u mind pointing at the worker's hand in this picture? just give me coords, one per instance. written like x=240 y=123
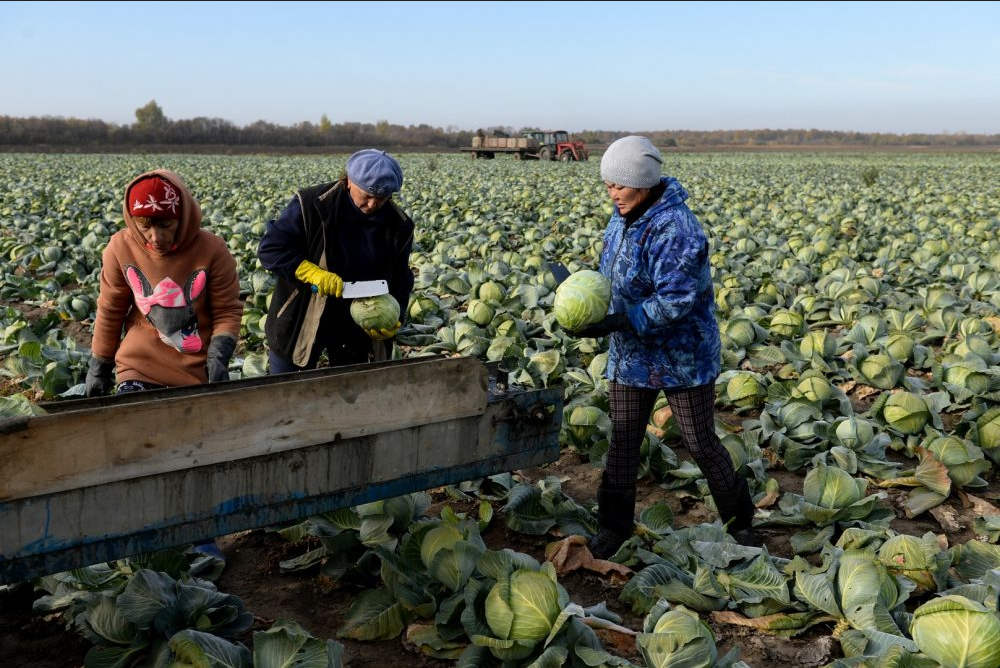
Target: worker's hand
x=326 y=282
x=383 y=334
x=100 y=377
x=220 y=351
x=616 y=322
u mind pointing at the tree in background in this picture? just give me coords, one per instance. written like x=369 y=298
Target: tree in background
x=150 y=117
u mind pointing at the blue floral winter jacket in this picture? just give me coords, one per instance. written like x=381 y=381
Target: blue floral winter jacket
x=660 y=277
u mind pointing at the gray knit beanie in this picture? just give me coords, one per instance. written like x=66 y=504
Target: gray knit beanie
x=632 y=162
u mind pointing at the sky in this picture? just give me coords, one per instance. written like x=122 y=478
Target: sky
x=895 y=67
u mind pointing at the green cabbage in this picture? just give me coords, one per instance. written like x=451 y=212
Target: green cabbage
x=679 y=638
x=956 y=631
x=442 y=537
x=906 y=412
x=582 y=299
x=380 y=312
x=524 y=606
x=480 y=312
x=855 y=432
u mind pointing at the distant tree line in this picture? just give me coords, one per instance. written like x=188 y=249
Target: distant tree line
x=802 y=138
x=152 y=127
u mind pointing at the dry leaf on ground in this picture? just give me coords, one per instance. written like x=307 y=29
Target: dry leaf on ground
x=571 y=553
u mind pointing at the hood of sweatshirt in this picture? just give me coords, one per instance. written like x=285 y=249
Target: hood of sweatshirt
x=189 y=221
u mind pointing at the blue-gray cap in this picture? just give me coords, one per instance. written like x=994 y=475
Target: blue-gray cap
x=376 y=172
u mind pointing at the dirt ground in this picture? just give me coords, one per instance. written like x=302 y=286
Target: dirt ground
x=252 y=573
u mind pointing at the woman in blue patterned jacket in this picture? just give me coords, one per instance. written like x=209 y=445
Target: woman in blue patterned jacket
x=664 y=337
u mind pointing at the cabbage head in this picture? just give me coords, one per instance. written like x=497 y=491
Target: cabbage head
x=818 y=342
x=964 y=460
x=480 y=312
x=830 y=494
x=831 y=488
x=492 y=293
x=524 y=606
x=677 y=638
x=449 y=552
x=582 y=299
x=957 y=631
x=988 y=429
x=900 y=346
x=919 y=559
x=422 y=307
x=785 y=324
x=881 y=371
x=584 y=421
x=442 y=537
x=969 y=373
x=974 y=344
x=814 y=386
x=906 y=412
x=855 y=433
x=746 y=388
x=743 y=331
x=380 y=312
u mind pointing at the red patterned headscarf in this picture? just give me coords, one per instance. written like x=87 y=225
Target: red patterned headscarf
x=154 y=198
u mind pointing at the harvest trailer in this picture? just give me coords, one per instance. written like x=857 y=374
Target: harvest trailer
x=100 y=479
x=522 y=148
x=532 y=145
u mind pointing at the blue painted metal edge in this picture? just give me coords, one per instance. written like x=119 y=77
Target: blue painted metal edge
x=254 y=516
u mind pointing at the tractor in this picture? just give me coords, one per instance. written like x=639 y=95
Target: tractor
x=556 y=145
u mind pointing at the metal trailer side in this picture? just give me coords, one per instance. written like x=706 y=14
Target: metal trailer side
x=101 y=479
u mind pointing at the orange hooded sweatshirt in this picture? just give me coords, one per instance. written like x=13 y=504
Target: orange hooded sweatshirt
x=170 y=304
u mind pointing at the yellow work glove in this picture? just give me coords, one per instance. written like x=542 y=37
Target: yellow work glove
x=383 y=334
x=326 y=282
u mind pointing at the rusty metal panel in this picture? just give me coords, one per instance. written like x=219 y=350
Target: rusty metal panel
x=89 y=524
x=103 y=442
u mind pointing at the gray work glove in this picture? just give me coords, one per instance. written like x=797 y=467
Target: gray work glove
x=100 y=377
x=220 y=350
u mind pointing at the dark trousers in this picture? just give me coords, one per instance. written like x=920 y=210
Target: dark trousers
x=694 y=411
x=338 y=355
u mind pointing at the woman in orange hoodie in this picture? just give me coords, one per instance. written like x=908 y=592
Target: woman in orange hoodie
x=171 y=287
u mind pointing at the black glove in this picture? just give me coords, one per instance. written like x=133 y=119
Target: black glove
x=616 y=322
x=220 y=350
x=100 y=377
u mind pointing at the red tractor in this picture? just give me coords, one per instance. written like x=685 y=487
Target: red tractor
x=556 y=145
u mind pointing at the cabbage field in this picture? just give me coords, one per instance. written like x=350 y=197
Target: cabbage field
x=859 y=300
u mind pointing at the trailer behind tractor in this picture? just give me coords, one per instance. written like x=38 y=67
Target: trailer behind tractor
x=531 y=145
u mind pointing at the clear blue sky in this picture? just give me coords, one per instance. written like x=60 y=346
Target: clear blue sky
x=870 y=67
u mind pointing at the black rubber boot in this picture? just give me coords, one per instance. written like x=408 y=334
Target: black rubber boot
x=736 y=510
x=615 y=517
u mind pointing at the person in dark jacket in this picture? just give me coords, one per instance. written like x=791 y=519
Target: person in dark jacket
x=347 y=230
x=664 y=337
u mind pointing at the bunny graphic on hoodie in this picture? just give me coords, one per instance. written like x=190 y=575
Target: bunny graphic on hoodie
x=170 y=308
x=160 y=305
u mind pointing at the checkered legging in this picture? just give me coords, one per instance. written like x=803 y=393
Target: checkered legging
x=693 y=409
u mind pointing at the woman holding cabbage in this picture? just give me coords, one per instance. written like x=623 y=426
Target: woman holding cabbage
x=349 y=229
x=664 y=337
